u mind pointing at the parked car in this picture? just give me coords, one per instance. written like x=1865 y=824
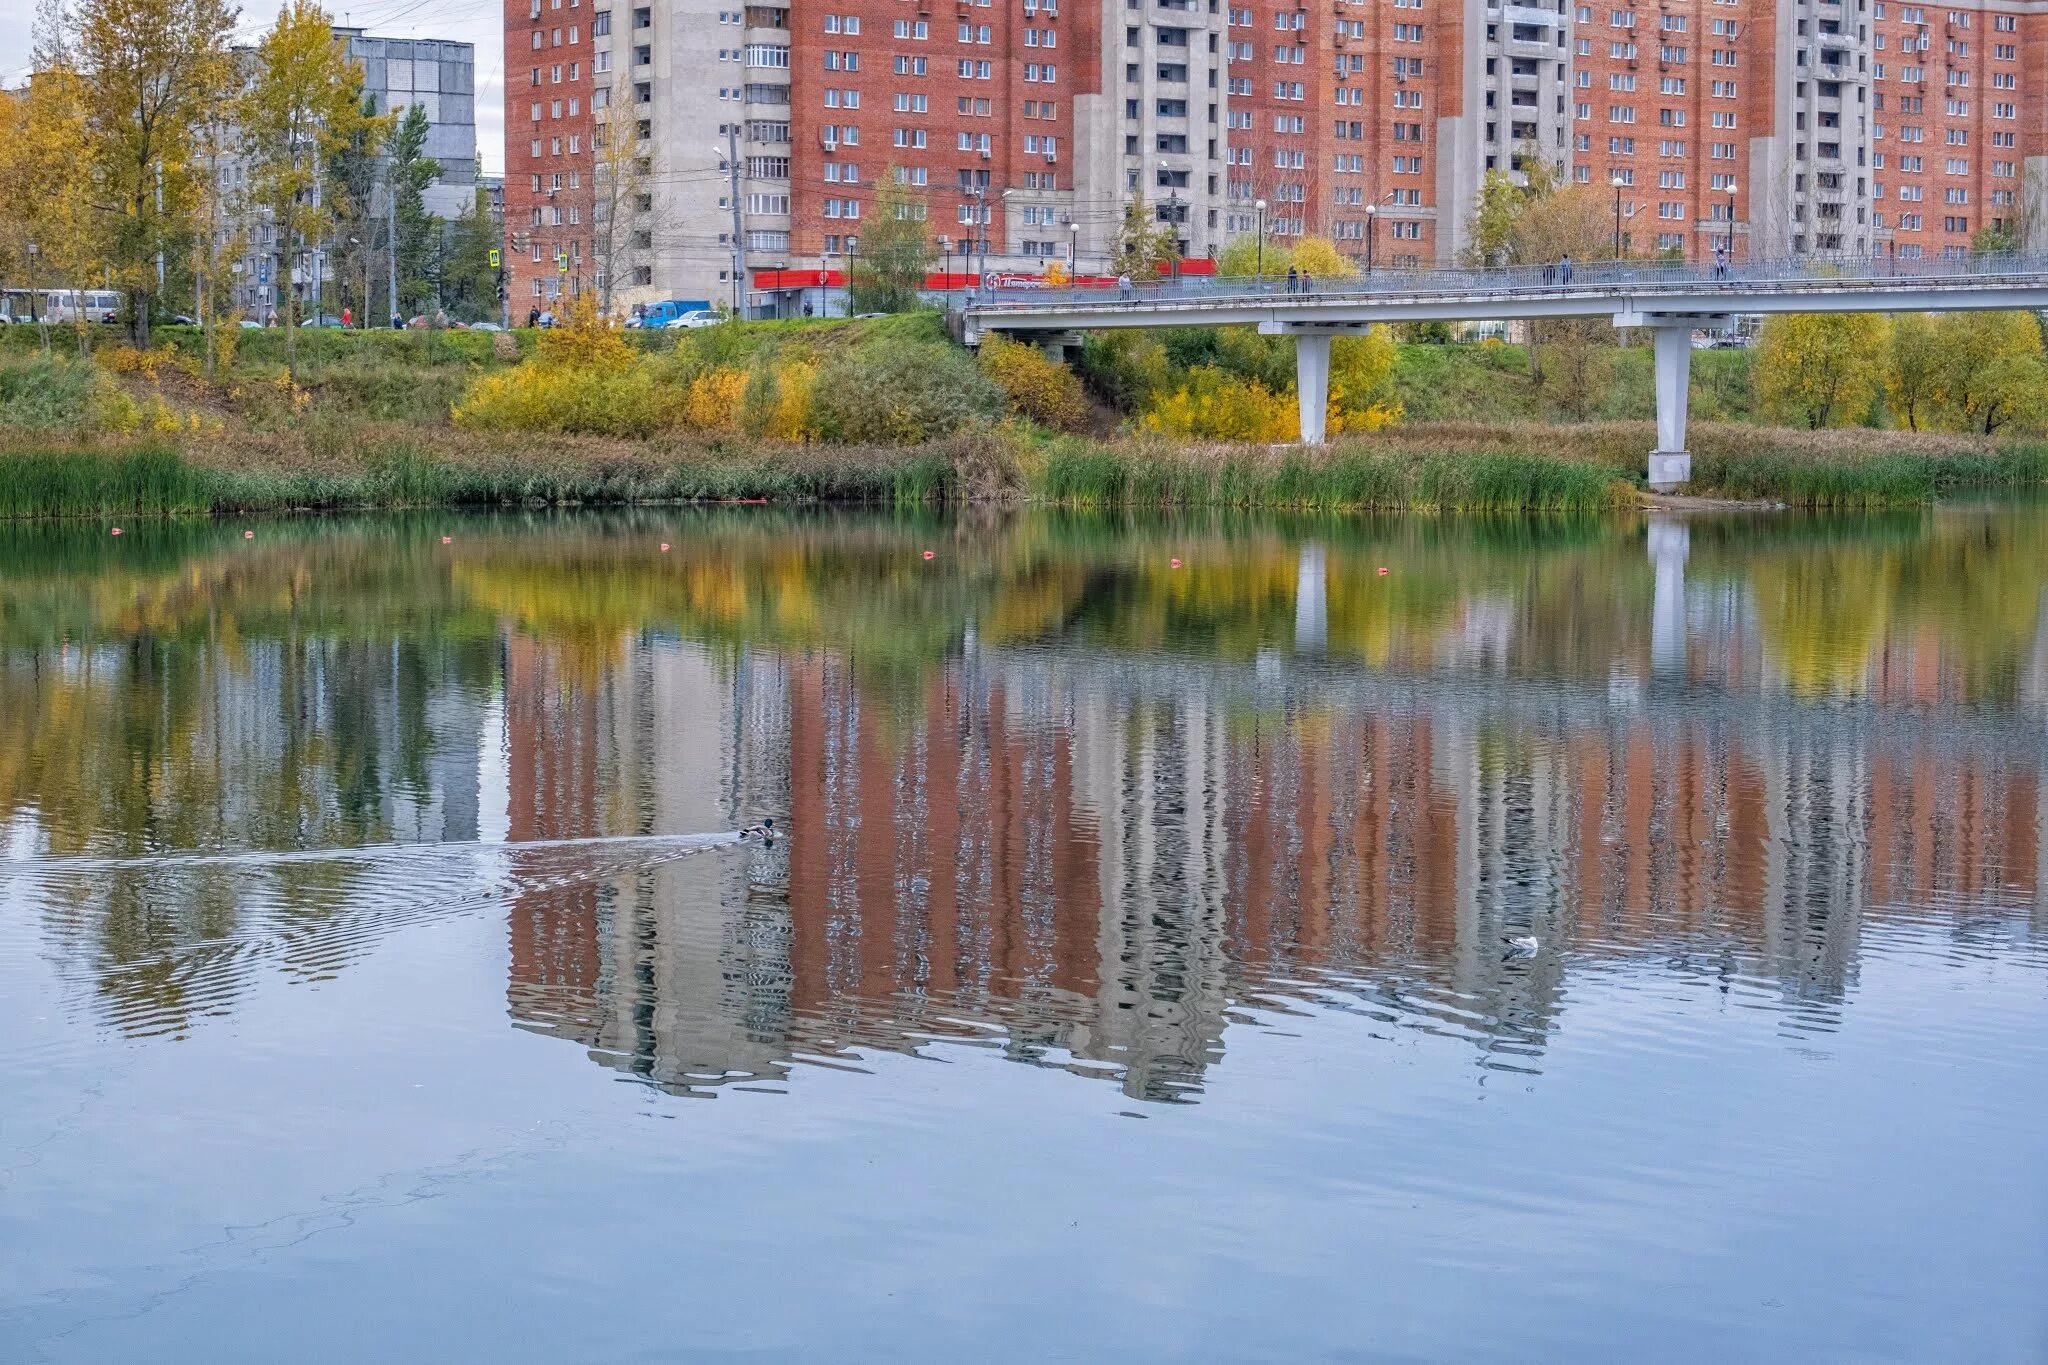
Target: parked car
x=664 y=312
x=483 y=327
x=696 y=317
x=322 y=320
x=250 y=324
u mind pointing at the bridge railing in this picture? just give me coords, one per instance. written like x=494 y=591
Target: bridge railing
x=1556 y=278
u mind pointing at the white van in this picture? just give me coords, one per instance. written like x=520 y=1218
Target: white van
x=100 y=305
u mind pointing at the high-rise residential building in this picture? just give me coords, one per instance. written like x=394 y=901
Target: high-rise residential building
x=1026 y=127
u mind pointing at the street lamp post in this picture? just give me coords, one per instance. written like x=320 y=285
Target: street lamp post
x=1372 y=219
x=852 y=266
x=1260 y=205
x=946 y=264
x=1172 y=215
x=1731 y=222
x=1616 y=183
x=1073 y=250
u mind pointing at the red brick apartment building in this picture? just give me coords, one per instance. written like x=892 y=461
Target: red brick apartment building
x=760 y=132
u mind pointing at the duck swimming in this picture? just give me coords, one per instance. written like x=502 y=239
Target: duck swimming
x=765 y=831
x=1522 y=944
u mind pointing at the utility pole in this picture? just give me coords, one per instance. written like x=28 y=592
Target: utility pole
x=391 y=229
x=739 y=250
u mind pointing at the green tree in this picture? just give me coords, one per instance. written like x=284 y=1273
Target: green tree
x=1820 y=369
x=409 y=171
x=1915 y=372
x=152 y=71
x=1495 y=213
x=1992 y=373
x=1241 y=258
x=302 y=105
x=887 y=274
x=469 y=282
x=1143 y=243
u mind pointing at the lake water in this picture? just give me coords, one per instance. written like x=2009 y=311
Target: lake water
x=379 y=978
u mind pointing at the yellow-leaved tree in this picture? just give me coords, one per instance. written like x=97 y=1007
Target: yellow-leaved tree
x=1915 y=372
x=47 y=233
x=1991 y=370
x=301 y=108
x=1362 y=383
x=1319 y=259
x=1820 y=369
x=152 y=71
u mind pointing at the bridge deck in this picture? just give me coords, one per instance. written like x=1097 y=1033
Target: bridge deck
x=1625 y=290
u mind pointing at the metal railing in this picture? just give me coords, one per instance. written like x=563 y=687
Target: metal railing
x=1551 y=280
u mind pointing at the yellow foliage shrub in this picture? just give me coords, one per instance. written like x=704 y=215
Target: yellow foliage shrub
x=1035 y=385
x=791 y=418
x=713 y=400
x=586 y=342
x=1219 y=406
x=532 y=397
x=1362 y=383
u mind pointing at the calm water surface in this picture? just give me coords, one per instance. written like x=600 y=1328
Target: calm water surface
x=379 y=978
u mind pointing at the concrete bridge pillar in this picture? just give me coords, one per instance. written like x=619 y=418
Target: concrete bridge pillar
x=1312 y=383
x=1670 y=462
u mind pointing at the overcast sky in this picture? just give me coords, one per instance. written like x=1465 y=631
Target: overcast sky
x=471 y=21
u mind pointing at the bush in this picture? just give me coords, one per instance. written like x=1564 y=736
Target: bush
x=53 y=393
x=900 y=393
x=1216 y=404
x=1037 y=386
x=1125 y=369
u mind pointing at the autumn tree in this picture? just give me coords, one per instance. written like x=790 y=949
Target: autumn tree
x=302 y=105
x=1143 y=244
x=1318 y=258
x=1915 y=370
x=152 y=71
x=618 y=182
x=1991 y=371
x=354 y=171
x=887 y=274
x=1820 y=369
x=47 y=227
x=1242 y=257
x=218 y=242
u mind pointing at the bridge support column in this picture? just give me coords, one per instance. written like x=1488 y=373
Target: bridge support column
x=1670 y=462
x=1312 y=383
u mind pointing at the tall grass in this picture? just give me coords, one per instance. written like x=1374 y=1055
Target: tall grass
x=339 y=465
x=1081 y=474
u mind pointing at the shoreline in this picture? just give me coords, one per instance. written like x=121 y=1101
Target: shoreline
x=1412 y=469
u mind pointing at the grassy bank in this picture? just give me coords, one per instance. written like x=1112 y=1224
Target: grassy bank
x=886 y=411
x=1464 y=468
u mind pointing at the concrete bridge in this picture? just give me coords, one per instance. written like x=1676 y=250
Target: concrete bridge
x=1671 y=299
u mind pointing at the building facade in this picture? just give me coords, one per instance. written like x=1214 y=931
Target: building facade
x=1025 y=128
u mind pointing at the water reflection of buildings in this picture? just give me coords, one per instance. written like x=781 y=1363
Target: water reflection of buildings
x=1093 y=863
